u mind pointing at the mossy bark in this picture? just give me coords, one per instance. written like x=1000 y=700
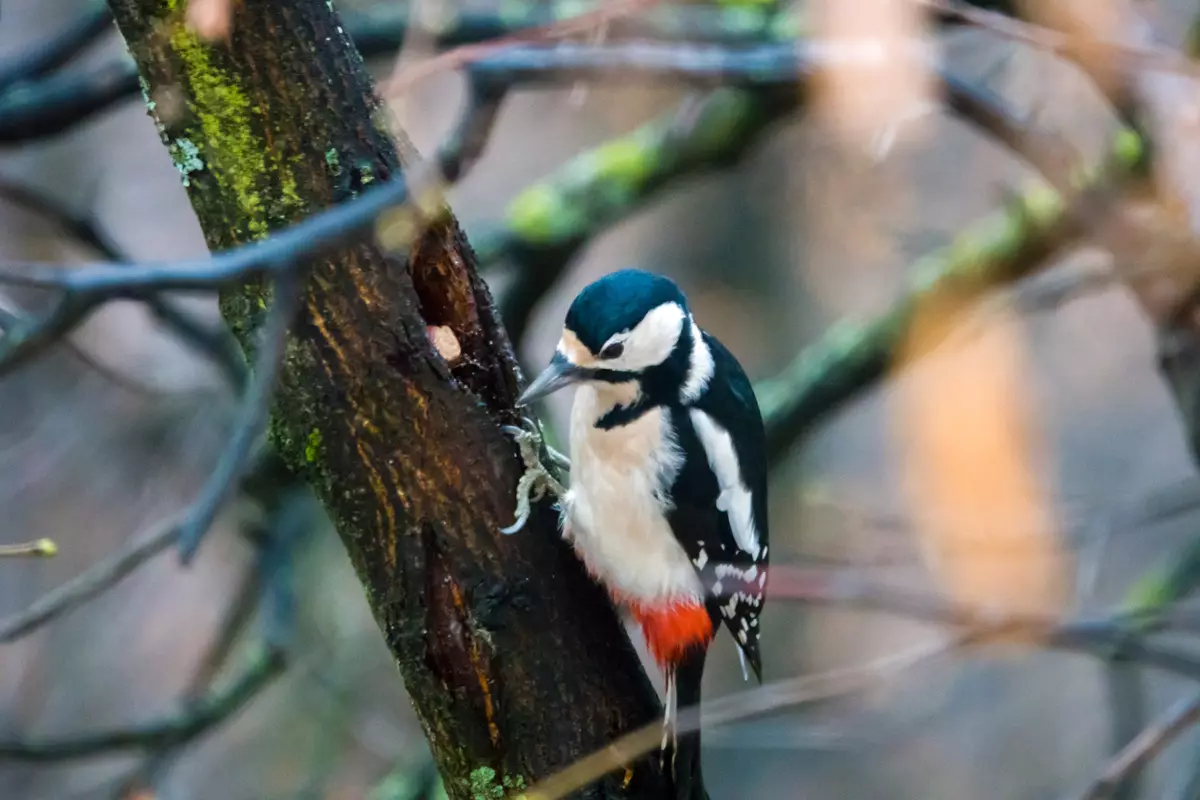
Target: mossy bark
x=514 y=660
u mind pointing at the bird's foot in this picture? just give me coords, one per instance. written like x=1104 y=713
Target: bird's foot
x=541 y=462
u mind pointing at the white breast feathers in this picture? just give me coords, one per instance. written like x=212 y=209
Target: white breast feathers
x=615 y=506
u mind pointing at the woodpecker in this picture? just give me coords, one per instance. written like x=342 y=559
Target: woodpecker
x=667 y=499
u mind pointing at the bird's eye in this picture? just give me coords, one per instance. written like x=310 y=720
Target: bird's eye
x=613 y=350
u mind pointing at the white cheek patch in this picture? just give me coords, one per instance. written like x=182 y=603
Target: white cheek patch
x=735 y=499
x=650 y=342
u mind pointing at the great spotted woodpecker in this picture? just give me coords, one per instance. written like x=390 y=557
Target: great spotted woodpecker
x=667 y=501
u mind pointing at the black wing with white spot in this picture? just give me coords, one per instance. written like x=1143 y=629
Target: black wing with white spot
x=720 y=497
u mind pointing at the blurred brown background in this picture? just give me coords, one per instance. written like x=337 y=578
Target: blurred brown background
x=806 y=231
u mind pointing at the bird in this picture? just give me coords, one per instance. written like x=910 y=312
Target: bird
x=666 y=504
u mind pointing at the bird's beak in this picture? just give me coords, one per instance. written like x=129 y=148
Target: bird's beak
x=559 y=373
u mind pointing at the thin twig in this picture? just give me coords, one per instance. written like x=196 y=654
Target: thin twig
x=214 y=341
x=251 y=420
x=1128 y=55
x=1124 y=634
x=47 y=56
x=238 y=613
x=196 y=719
x=768 y=66
x=54 y=105
x=266 y=586
x=465 y=144
x=30 y=336
x=281 y=252
x=550 y=221
x=82 y=228
x=767 y=699
x=1126 y=690
x=1130 y=761
x=259 y=484
x=1003 y=248
x=85 y=288
x=40 y=547
x=90 y=583
x=403 y=78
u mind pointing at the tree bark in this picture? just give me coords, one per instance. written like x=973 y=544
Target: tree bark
x=515 y=661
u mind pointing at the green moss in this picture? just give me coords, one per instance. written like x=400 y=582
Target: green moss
x=726 y=116
x=313 y=448
x=1150 y=593
x=235 y=154
x=1129 y=148
x=629 y=160
x=289 y=197
x=332 y=160
x=611 y=175
x=1042 y=204
x=1174 y=579
x=536 y=214
x=484 y=785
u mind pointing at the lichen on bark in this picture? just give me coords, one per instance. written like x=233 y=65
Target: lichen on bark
x=403 y=448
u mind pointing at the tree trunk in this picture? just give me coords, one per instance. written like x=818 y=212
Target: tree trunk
x=514 y=659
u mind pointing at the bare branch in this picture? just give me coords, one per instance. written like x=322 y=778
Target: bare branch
x=404 y=78
x=267 y=586
x=90 y=583
x=213 y=340
x=41 y=547
x=465 y=144
x=183 y=726
x=767 y=67
x=548 y=222
x=238 y=613
x=1130 y=761
x=252 y=417
x=1123 y=634
x=769 y=698
x=267 y=483
x=1126 y=689
x=53 y=105
x=48 y=56
x=1127 y=55
x=80 y=227
x=1003 y=248
x=282 y=252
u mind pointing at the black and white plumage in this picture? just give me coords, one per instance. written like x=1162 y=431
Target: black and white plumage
x=667 y=503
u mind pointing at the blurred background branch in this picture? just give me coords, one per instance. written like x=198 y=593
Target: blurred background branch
x=739 y=79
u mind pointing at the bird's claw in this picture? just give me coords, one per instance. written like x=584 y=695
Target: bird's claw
x=537 y=478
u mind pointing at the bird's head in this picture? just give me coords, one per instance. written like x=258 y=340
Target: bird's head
x=627 y=326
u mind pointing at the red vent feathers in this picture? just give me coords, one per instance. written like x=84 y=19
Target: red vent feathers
x=673 y=628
